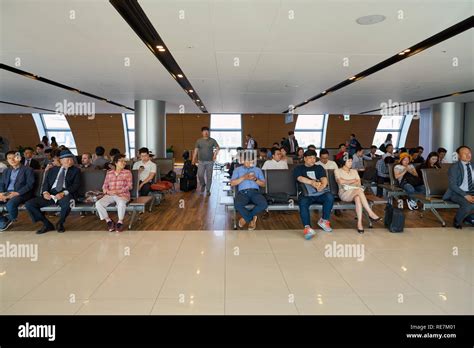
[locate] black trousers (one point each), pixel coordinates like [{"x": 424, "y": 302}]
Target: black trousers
[
  {"x": 381, "y": 180},
  {"x": 466, "y": 209},
  {"x": 34, "y": 205},
  {"x": 145, "y": 190}
]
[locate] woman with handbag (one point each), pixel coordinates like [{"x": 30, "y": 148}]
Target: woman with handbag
[
  {"x": 408, "y": 179},
  {"x": 116, "y": 189},
  {"x": 350, "y": 190}
]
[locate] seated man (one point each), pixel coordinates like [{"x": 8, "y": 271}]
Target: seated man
[
  {"x": 275, "y": 162},
  {"x": 117, "y": 186},
  {"x": 324, "y": 160},
  {"x": 341, "y": 153},
  {"x": 28, "y": 160},
  {"x": 248, "y": 179},
  {"x": 147, "y": 171},
  {"x": 60, "y": 186},
  {"x": 313, "y": 184},
  {"x": 16, "y": 187},
  {"x": 100, "y": 162},
  {"x": 86, "y": 161},
  {"x": 461, "y": 186}
]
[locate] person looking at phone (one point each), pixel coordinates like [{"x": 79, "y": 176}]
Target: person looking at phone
[{"x": 248, "y": 179}]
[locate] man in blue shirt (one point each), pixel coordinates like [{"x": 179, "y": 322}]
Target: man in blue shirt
[
  {"x": 314, "y": 189},
  {"x": 248, "y": 179},
  {"x": 16, "y": 187}
]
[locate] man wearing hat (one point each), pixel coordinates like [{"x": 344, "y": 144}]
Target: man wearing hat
[{"x": 60, "y": 187}]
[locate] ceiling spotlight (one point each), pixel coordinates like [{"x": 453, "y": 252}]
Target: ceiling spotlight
[
  {"x": 180, "y": 76},
  {"x": 352, "y": 78},
  {"x": 323, "y": 92},
  {"x": 191, "y": 91},
  {"x": 197, "y": 100},
  {"x": 159, "y": 47},
  {"x": 407, "y": 50},
  {"x": 370, "y": 19}
]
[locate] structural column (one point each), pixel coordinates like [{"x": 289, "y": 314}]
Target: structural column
[
  {"x": 447, "y": 129},
  {"x": 150, "y": 126}
]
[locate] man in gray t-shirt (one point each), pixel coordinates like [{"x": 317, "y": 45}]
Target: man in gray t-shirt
[{"x": 204, "y": 151}]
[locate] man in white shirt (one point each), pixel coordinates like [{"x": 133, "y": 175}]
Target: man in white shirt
[
  {"x": 146, "y": 171},
  {"x": 275, "y": 162},
  {"x": 325, "y": 162},
  {"x": 388, "y": 151}
]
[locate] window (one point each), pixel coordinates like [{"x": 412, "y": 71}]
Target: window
[
  {"x": 129, "y": 129},
  {"x": 56, "y": 125},
  {"x": 309, "y": 130},
  {"x": 227, "y": 130},
  {"x": 389, "y": 125}
]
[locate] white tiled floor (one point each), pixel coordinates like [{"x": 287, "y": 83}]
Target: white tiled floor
[{"x": 420, "y": 271}]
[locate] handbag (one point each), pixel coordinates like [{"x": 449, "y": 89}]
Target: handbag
[
  {"x": 411, "y": 179},
  {"x": 93, "y": 196}
]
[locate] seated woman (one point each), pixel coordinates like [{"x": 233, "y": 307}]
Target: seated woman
[
  {"x": 350, "y": 190},
  {"x": 299, "y": 159},
  {"x": 408, "y": 179},
  {"x": 117, "y": 186},
  {"x": 284, "y": 156},
  {"x": 432, "y": 161}
]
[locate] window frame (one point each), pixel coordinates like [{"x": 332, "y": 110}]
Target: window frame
[{"x": 47, "y": 131}]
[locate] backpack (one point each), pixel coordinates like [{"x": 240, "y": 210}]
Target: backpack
[
  {"x": 171, "y": 177},
  {"x": 189, "y": 170},
  {"x": 277, "y": 198},
  {"x": 394, "y": 220}
]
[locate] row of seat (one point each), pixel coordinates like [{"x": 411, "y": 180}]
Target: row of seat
[
  {"x": 92, "y": 180},
  {"x": 277, "y": 181},
  {"x": 281, "y": 180}
]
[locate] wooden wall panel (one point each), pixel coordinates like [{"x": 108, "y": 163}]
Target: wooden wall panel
[
  {"x": 104, "y": 129},
  {"x": 266, "y": 128},
  {"x": 413, "y": 136},
  {"x": 19, "y": 129},
  {"x": 182, "y": 131},
  {"x": 363, "y": 126}
]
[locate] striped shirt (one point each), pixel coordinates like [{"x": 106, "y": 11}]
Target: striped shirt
[{"x": 120, "y": 182}]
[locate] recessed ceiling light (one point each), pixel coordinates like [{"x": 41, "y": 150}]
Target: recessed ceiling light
[
  {"x": 370, "y": 19},
  {"x": 180, "y": 76},
  {"x": 197, "y": 100},
  {"x": 323, "y": 92},
  {"x": 159, "y": 47},
  {"x": 191, "y": 91},
  {"x": 352, "y": 78}
]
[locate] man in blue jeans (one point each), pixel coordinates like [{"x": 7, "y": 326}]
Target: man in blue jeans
[
  {"x": 248, "y": 179},
  {"x": 313, "y": 184}
]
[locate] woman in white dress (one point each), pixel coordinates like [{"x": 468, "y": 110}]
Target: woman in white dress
[{"x": 350, "y": 190}]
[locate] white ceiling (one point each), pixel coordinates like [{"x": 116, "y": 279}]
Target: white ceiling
[{"x": 282, "y": 61}]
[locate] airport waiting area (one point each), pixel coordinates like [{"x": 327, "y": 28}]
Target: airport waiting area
[{"x": 125, "y": 192}]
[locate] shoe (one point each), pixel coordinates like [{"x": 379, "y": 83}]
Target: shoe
[
  {"x": 412, "y": 204},
  {"x": 308, "y": 233},
  {"x": 45, "y": 228},
  {"x": 253, "y": 224},
  {"x": 325, "y": 225},
  {"x": 456, "y": 225},
  {"x": 208, "y": 193},
  {"x": 60, "y": 228},
  {"x": 7, "y": 225},
  {"x": 375, "y": 220},
  {"x": 111, "y": 225},
  {"x": 119, "y": 227},
  {"x": 242, "y": 222},
  {"x": 360, "y": 230}
]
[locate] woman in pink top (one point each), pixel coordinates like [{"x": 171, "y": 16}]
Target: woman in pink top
[{"x": 117, "y": 186}]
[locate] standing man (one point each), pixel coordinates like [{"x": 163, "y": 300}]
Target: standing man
[
  {"x": 291, "y": 144},
  {"x": 353, "y": 144},
  {"x": 16, "y": 187},
  {"x": 249, "y": 142},
  {"x": 204, "y": 152},
  {"x": 60, "y": 187},
  {"x": 461, "y": 187}
]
